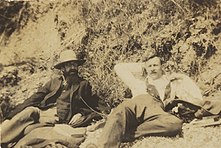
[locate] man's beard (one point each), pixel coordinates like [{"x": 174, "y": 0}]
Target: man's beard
[
  {"x": 71, "y": 73},
  {"x": 71, "y": 76}
]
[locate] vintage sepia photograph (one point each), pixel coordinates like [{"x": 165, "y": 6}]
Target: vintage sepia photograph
[{"x": 110, "y": 73}]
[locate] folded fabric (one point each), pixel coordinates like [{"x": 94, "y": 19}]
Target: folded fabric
[{"x": 60, "y": 134}]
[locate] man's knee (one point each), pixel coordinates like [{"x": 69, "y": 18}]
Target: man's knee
[
  {"x": 122, "y": 109},
  {"x": 174, "y": 127},
  {"x": 139, "y": 100},
  {"x": 32, "y": 113},
  {"x": 127, "y": 105},
  {"x": 14, "y": 127},
  {"x": 32, "y": 109}
]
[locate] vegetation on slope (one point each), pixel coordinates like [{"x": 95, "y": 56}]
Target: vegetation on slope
[{"x": 185, "y": 33}]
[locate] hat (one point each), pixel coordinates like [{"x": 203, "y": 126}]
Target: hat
[{"x": 68, "y": 56}]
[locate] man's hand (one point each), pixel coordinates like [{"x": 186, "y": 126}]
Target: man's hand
[{"x": 75, "y": 118}]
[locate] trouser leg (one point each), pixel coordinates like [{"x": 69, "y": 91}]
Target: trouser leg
[
  {"x": 45, "y": 136},
  {"x": 131, "y": 115},
  {"x": 47, "y": 118},
  {"x": 163, "y": 124},
  {"x": 118, "y": 123},
  {"x": 14, "y": 127},
  {"x": 123, "y": 120}
]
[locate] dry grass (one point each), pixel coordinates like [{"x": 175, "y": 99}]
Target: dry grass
[{"x": 194, "y": 137}]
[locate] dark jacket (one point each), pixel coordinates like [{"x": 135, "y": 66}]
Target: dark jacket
[{"x": 47, "y": 95}]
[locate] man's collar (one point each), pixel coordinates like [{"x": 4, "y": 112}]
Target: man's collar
[{"x": 151, "y": 81}]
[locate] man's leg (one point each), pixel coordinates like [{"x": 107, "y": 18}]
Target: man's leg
[
  {"x": 142, "y": 115},
  {"x": 118, "y": 123},
  {"x": 163, "y": 124},
  {"x": 14, "y": 127},
  {"x": 59, "y": 134},
  {"x": 47, "y": 118},
  {"x": 125, "y": 119}
]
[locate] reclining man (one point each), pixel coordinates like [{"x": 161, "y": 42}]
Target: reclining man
[
  {"x": 66, "y": 99},
  {"x": 145, "y": 114}
]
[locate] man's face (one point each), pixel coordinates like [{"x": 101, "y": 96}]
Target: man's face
[
  {"x": 154, "y": 68},
  {"x": 70, "y": 68}
]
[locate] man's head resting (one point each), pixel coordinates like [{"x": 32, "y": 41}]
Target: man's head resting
[
  {"x": 153, "y": 66},
  {"x": 68, "y": 62}
]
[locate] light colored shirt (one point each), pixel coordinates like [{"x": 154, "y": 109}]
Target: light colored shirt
[
  {"x": 181, "y": 85},
  {"x": 131, "y": 75},
  {"x": 184, "y": 88},
  {"x": 160, "y": 84}
]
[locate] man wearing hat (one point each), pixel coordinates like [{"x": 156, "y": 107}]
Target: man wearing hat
[{"x": 67, "y": 99}]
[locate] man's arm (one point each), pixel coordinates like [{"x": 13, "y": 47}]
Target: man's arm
[
  {"x": 129, "y": 73},
  {"x": 36, "y": 98},
  {"x": 185, "y": 88}
]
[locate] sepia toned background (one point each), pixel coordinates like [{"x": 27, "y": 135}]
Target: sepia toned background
[{"x": 187, "y": 35}]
